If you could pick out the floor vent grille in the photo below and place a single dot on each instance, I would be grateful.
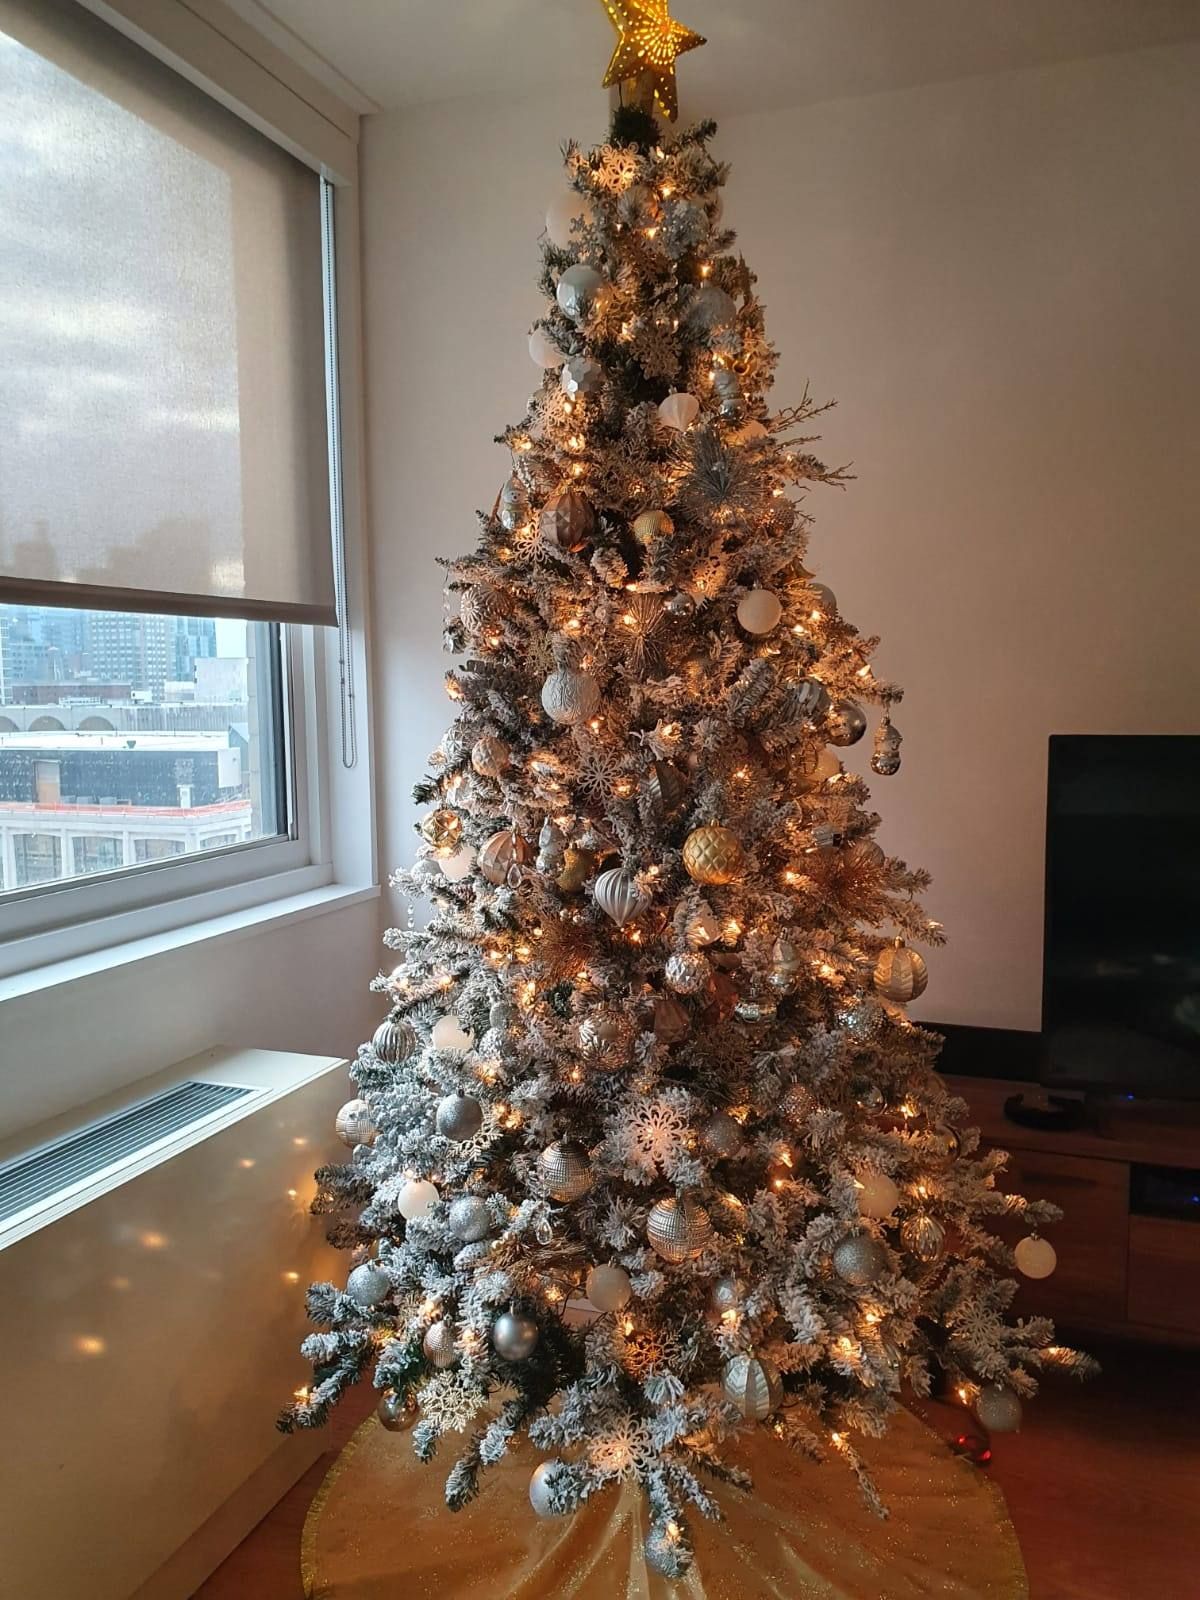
(32, 1179)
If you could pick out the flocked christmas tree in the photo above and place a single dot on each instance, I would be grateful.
(648, 1149)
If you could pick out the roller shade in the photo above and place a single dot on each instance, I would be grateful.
(163, 440)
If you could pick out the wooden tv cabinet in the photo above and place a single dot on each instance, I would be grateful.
(1123, 1268)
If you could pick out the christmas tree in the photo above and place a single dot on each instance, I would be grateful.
(648, 1149)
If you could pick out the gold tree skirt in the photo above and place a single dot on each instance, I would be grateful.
(379, 1529)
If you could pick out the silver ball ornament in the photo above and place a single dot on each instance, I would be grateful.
(726, 1294)
(858, 1260)
(579, 291)
(459, 1117)
(581, 375)
(753, 1385)
(923, 1236)
(514, 1336)
(367, 1286)
(847, 723)
(722, 1134)
(397, 1412)
(687, 971)
(469, 1219)
(998, 1408)
(394, 1040)
(565, 1171)
(438, 1345)
(679, 1230)
(541, 1486)
(665, 1551)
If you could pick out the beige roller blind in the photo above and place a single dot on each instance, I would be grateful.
(162, 387)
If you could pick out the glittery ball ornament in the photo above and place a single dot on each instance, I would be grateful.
(570, 697)
(619, 895)
(923, 1236)
(679, 411)
(367, 1286)
(998, 1408)
(876, 1194)
(568, 521)
(469, 1219)
(798, 1102)
(353, 1123)
(438, 1345)
(753, 1385)
(665, 1551)
(565, 213)
(417, 1198)
(846, 724)
(489, 756)
(397, 1412)
(605, 1038)
(1035, 1258)
(541, 1486)
(609, 1288)
(459, 1117)
(722, 1134)
(442, 830)
(859, 1259)
(900, 973)
(713, 854)
(687, 971)
(759, 611)
(503, 857)
(565, 1171)
(711, 308)
(581, 375)
(679, 1230)
(394, 1040)
(580, 290)
(651, 525)
(514, 1336)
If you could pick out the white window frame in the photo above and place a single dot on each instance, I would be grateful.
(329, 857)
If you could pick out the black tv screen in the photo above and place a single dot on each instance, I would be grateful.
(1121, 989)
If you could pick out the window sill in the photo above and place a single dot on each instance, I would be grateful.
(238, 924)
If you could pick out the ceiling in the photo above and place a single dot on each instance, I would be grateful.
(382, 54)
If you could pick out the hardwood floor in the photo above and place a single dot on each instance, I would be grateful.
(1101, 1484)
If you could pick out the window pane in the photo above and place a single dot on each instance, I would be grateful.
(128, 738)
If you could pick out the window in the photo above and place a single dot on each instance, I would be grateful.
(136, 738)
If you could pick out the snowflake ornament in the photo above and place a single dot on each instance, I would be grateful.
(449, 1402)
(653, 1134)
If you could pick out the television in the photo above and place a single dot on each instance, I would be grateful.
(1121, 965)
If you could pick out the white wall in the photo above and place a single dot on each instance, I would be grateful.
(997, 279)
(298, 987)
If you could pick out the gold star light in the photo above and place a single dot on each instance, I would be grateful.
(648, 40)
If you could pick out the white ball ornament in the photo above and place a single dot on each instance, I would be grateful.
(579, 290)
(367, 1286)
(417, 1199)
(541, 1485)
(759, 611)
(562, 215)
(543, 351)
(457, 866)
(449, 1034)
(608, 1288)
(1036, 1258)
(353, 1124)
(679, 411)
(570, 697)
(877, 1195)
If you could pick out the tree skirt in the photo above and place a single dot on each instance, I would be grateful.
(379, 1528)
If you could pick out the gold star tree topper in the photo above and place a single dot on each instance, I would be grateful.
(648, 40)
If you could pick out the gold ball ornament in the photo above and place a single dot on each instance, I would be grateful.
(442, 830)
(798, 1102)
(679, 1230)
(713, 854)
(565, 1171)
(1035, 1258)
(570, 697)
(759, 611)
(998, 1408)
(651, 525)
(503, 857)
(353, 1124)
(846, 724)
(489, 756)
(568, 521)
(900, 973)
(923, 1236)
(577, 867)
(398, 1412)
(753, 1385)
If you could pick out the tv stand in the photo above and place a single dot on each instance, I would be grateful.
(1125, 1175)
